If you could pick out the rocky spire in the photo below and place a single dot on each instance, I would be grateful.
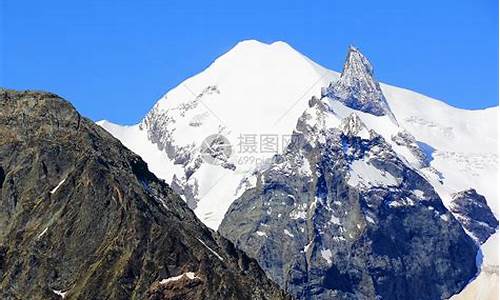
(357, 87)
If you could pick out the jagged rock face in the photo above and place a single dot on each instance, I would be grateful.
(340, 216)
(471, 209)
(357, 87)
(81, 217)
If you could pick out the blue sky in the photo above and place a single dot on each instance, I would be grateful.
(114, 59)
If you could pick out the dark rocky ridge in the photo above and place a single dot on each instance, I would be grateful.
(321, 236)
(81, 214)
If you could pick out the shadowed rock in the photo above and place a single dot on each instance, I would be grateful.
(472, 210)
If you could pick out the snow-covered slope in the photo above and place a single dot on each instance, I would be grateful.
(256, 92)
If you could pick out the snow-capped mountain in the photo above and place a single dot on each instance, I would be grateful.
(252, 97)
(343, 212)
(248, 94)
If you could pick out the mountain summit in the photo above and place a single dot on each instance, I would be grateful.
(253, 90)
(357, 87)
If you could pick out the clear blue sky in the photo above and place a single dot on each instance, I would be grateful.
(114, 59)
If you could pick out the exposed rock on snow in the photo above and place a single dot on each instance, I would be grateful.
(473, 212)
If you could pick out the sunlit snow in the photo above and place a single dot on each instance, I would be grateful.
(365, 174)
(327, 255)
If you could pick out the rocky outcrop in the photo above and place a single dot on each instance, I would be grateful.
(471, 209)
(81, 217)
(405, 139)
(340, 216)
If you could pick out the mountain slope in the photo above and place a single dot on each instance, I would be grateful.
(81, 217)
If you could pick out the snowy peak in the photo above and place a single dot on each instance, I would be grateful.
(255, 79)
(357, 87)
(258, 89)
(253, 47)
(252, 91)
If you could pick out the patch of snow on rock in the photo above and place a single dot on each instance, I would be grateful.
(58, 186)
(419, 193)
(211, 250)
(60, 293)
(43, 232)
(327, 255)
(189, 275)
(306, 247)
(335, 220)
(364, 174)
(370, 219)
(288, 233)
